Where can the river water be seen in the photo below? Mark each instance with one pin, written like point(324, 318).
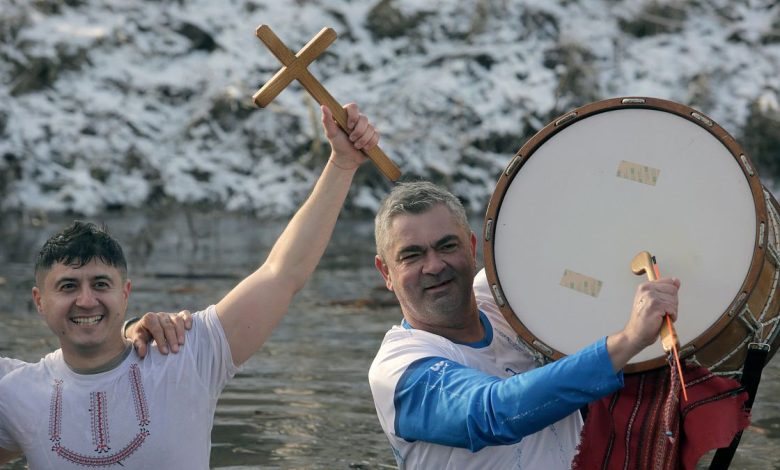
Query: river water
point(303, 401)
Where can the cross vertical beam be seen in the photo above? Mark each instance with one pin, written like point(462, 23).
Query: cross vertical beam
point(294, 68)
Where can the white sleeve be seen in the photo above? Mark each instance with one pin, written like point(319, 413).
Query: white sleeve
point(213, 357)
point(7, 365)
point(7, 439)
point(481, 286)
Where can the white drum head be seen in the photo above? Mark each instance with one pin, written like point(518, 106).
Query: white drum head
point(599, 191)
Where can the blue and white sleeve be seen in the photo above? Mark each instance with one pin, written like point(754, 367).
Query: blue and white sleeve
point(441, 401)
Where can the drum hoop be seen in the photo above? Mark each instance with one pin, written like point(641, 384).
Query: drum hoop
point(612, 104)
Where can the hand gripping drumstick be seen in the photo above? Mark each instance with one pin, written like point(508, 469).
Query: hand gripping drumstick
point(644, 263)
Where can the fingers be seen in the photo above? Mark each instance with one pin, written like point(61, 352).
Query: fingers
point(363, 134)
point(359, 130)
point(166, 329)
point(328, 122)
point(182, 321)
point(659, 297)
point(139, 333)
point(373, 142)
point(347, 145)
point(653, 300)
point(353, 115)
point(140, 347)
point(170, 339)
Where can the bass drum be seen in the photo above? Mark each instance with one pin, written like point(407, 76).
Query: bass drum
point(611, 179)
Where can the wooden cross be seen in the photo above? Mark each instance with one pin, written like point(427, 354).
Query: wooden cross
point(295, 69)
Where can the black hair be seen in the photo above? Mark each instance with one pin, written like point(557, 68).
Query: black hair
point(78, 244)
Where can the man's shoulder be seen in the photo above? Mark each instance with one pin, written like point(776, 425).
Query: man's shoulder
point(8, 364)
point(399, 340)
point(401, 347)
point(205, 319)
point(203, 322)
point(52, 359)
point(206, 352)
point(29, 376)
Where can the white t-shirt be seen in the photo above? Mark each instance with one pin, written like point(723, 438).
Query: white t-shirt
point(7, 365)
point(453, 399)
point(155, 412)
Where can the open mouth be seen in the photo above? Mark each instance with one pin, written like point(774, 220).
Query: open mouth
point(87, 320)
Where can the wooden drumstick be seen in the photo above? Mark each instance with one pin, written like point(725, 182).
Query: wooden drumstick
point(644, 263)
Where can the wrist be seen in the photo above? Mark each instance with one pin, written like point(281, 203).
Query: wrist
point(342, 165)
point(620, 349)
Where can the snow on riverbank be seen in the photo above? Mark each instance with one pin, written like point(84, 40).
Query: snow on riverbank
point(107, 104)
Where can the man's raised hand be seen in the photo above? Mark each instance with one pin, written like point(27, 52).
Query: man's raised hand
point(347, 146)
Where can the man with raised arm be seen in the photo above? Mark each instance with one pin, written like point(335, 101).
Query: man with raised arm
point(93, 403)
point(452, 384)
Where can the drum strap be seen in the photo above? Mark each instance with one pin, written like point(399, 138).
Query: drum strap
point(751, 376)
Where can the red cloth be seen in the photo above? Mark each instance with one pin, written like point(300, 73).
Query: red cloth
point(646, 425)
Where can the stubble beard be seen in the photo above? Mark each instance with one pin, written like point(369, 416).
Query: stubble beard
point(449, 309)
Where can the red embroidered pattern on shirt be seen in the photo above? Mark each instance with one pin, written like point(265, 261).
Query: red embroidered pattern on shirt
point(99, 413)
point(99, 425)
point(139, 397)
point(55, 425)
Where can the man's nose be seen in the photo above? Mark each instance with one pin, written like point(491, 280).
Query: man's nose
point(433, 262)
point(86, 297)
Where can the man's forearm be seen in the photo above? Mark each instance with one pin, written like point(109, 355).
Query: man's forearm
point(440, 401)
point(303, 242)
point(251, 311)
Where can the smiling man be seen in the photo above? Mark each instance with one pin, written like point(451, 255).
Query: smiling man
point(94, 403)
point(83, 297)
point(165, 329)
point(453, 386)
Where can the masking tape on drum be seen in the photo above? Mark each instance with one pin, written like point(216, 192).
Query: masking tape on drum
point(581, 283)
point(639, 173)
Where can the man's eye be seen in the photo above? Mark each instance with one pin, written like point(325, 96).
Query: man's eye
point(101, 285)
point(409, 256)
point(449, 247)
point(67, 287)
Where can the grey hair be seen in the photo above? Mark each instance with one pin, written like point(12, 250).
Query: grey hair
point(414, 197)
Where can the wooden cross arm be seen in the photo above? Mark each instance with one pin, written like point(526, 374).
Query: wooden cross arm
point(294, 65)
point(295, 69)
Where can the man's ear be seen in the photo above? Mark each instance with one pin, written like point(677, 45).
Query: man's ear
point(384, 271)
point(127, 288)
point(36, 295)
point(473, 242)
